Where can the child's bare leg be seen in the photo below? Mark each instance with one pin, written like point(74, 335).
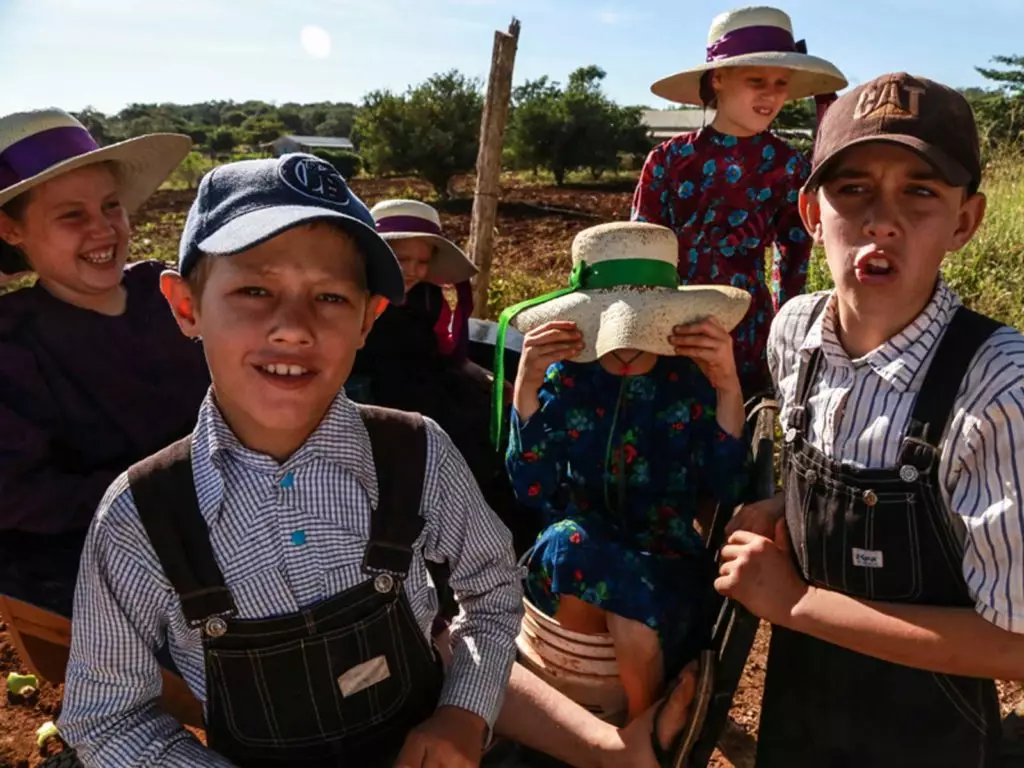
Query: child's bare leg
point(580, 616)
point(641, 664)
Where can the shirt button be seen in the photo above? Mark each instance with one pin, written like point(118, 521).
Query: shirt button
point(298, 538)
point(288, 480)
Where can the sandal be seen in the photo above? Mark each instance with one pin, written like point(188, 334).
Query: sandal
point(679, 750)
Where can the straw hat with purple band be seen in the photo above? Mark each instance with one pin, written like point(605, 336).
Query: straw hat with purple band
point(40, 145)
point(754, 37)
point(407, 219)
point(929, 118)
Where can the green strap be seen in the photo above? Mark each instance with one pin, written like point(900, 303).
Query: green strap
point(607, 274)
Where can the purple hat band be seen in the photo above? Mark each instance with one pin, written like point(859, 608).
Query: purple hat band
point(390, 224)
point(40, 151)
point(754, 39)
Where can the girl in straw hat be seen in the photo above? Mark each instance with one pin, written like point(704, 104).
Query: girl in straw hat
point(94, 374)
point(730, 189)
point(620, 418)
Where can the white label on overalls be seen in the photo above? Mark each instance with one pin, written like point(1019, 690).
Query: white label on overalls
point(867, 558)
point(363, 676)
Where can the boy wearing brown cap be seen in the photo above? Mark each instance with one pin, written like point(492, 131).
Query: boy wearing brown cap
point(892, 566)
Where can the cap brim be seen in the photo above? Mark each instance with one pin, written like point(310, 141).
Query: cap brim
point(383, 273)
point(952, 172)
point(450, 264)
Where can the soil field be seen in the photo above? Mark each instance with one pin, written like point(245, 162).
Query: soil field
point(534, 232)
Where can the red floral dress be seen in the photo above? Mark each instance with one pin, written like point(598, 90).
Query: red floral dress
point(728, 199)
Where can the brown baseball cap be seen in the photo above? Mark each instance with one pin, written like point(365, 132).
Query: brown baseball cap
point(929, 118)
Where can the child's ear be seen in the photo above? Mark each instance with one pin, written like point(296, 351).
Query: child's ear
point(182, 302)
point(10, 231)
point(810, 214)
point(972, 212)
point(375, 305)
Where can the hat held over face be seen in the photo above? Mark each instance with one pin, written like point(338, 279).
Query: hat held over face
point(240, 205)
point(754, 37)
point(929, 118)
point(40, 145)
point(623, 293)
point(409, 219)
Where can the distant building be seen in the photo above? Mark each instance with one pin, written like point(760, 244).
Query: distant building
point(663, 124)
point(286, 144)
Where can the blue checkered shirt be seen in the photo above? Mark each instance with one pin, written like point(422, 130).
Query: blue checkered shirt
point(285, 536)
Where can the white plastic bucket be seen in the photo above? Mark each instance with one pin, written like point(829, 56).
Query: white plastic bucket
point(583, 667)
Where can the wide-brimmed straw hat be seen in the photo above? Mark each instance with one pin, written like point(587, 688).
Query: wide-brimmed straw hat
point(40, 145)
point(754, 37)
point(623, 293)
point(406, 219)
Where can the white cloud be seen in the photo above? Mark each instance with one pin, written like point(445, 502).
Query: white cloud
point(610, 17)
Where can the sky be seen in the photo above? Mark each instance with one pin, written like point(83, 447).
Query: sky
point(110, 53)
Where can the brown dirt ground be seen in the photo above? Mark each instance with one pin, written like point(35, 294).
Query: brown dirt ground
point(535, 228)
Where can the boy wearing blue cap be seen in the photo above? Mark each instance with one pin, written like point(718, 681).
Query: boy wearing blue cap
point(281, 550)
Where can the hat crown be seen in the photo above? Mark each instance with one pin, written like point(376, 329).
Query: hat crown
point(741, 18)
point(420, 210)
point(20, 125)
point(623, 240)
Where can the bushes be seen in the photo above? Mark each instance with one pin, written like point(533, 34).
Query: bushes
point(348, 164)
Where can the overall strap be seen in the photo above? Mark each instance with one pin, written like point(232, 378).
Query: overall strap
point(933, 408)
point(399, 444)
point(806, 372)
point(165, 497)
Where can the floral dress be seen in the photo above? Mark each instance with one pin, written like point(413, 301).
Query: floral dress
point(617, 465)
point(728, 199)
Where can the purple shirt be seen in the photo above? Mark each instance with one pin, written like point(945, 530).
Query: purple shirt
point(84, 395)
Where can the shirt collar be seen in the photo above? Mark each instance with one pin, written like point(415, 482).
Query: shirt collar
point(900, 359)
point(340, 439)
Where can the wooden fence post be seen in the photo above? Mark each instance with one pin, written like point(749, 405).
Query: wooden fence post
point(488, 161)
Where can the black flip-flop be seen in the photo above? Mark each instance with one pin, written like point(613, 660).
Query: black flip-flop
point(679, 750)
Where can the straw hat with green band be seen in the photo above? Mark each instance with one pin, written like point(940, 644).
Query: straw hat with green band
point(623, 293)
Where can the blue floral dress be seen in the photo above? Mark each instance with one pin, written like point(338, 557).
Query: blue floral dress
point(617, 464)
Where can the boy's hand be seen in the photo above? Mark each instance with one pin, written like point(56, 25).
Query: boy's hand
point(451, 738)
point(543, 346)
point(759, 517)
point(708, 345)
point(758, 572)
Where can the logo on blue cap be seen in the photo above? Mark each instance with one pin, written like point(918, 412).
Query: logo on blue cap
point(314, 178)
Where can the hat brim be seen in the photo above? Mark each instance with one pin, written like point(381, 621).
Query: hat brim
point(951, 171)
point(141, 165)
point(450, 264)
point(638, 318)
point(811, 76)
point(383, 274)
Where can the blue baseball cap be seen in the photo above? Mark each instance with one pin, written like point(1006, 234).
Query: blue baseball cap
point(240, 205)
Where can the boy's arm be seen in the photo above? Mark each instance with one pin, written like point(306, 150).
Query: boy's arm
point(792, 253)
point(986, 641)
point(112, 715)
point(463, 530)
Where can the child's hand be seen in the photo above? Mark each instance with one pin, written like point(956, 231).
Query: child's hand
point(451, 738)
point(543, 346)
point(708, 345)
point(758, 572)
point(758, 517)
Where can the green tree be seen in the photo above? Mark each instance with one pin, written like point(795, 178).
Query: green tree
point(431, 130)
point(1011, 78)
point(578, 126)
point(223, 141)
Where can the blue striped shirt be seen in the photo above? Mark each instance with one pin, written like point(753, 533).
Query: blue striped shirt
point(859, 411)
point(285, 536)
